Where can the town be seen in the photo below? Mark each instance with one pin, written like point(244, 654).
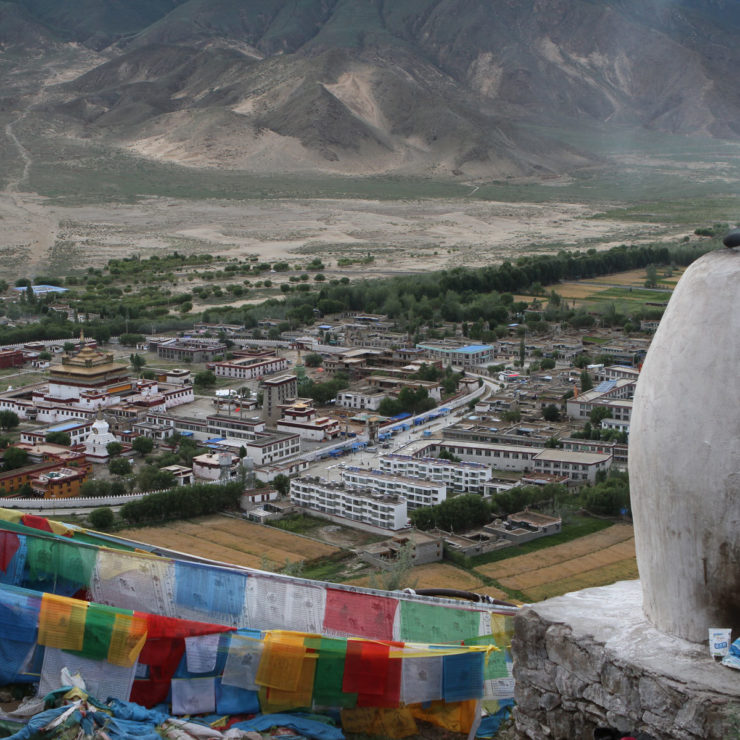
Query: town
point(346, 419)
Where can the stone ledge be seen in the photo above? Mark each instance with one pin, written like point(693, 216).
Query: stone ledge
point(590, 659)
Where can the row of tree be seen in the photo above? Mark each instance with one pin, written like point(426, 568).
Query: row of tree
point(481, 296)
point(183, 502)
point(609, 496)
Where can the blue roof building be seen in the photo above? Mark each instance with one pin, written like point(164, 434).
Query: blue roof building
point(43, 289)
point(454, 353)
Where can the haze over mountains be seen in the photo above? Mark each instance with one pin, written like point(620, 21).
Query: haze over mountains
point(432, 87)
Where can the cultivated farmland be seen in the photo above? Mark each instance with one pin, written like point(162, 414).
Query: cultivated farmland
point(594, 560)
point(435, 575)
point(233, 540)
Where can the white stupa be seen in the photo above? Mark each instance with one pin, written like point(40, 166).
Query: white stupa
point(98, 439)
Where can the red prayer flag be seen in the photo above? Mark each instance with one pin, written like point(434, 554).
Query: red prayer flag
point(9, 544)
point(37, 522)
point(362, 615)
point(372, 674)
point(157, 626)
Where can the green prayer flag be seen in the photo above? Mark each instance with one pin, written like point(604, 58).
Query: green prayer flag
point(437, 624)
point(495, 665)
point(99, 621)
point(53, 559)
point(329, 675)
point(98, 630)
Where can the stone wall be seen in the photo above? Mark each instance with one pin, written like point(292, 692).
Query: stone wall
point(590, 659)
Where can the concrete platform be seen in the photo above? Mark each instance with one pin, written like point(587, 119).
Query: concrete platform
point(590, 659)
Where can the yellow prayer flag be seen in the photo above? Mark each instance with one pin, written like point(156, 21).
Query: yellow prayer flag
point(127, 639)
point(62, 622)
point(282, 661)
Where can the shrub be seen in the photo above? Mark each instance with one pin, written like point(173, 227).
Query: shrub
point(102, 518)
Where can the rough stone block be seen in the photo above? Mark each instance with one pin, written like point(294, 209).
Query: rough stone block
point(529, 726)
point(611, 667)
point(549, 701)
point(563, 650)
point(569, 684)
point(659, 697)
point(691, 718)
point(543, 680)
point(530, 645)
point(620, 722)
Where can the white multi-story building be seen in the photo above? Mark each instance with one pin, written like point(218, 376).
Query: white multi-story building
point(517, 458)
point(78, 432)
point(618, 425)
point(249, 368)
point(605, 394)
point(271, 447)
point(613, 372)
point(216, 466)
point(355, 504)
point(364, 399)
point(301, 419)
point(580, 467)
point(459, 476)
point(416, 491)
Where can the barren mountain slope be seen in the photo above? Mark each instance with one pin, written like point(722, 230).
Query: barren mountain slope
point(432, 87)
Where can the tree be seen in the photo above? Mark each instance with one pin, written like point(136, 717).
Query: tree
point(137, 361)
point(313, 359)
point(119, 466)
point(608, 497)
point(447, 455)
point(551, 412)
point(651, 276)
point(59, 438)
point(598, 413)
point(396, 576)
point(45, 356)
point(8, 419)
point(88, 489)
point(455, 514)
point(14, 458)
point(205, 379)
point(188, 449)
point(114, 448)
point(143, 445)
point(512, 415)
point(117, 488)
point(151, 478)
point(281, 483)
point(586, 382)
point(547, 364)
point(102, 518)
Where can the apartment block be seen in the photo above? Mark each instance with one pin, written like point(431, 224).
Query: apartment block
point(354, 504)
point(469, 477)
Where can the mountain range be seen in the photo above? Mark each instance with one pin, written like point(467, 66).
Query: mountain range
point(471, 88)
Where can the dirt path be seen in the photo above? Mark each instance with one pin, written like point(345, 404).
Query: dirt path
point(24, 216)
